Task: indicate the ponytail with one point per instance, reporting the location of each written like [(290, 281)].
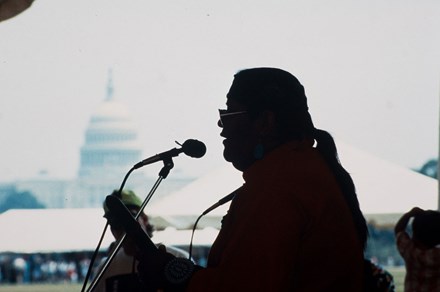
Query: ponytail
[(327, 147)]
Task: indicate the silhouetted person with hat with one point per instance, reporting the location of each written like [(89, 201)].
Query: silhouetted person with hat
[(121, 275)]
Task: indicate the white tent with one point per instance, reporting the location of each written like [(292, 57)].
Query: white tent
[(69, 230), (172, 236), (182, 208), (386, 188), (52, 230), (385, 191)]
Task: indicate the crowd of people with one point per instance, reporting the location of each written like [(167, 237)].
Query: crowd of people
[(44, 267)]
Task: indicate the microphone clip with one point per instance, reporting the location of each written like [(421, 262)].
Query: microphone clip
[(168, 164)]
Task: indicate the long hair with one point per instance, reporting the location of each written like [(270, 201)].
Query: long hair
[(327, 147)]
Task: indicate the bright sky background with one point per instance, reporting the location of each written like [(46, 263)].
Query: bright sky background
[(371, 69)]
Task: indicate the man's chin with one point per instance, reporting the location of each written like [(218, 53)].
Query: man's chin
[(234, 162), (227, 156)]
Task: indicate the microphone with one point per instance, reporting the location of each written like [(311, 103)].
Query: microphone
[(190, 147)]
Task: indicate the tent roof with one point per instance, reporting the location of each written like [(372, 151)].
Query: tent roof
[(384, 187), (200, 194), (181, 208)]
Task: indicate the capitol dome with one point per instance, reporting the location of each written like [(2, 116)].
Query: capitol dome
[(111, 146)]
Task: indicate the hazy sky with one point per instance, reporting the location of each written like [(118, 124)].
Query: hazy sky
[(371, 70)]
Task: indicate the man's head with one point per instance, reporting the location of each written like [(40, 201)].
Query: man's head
[(265, 107), (133, 204)]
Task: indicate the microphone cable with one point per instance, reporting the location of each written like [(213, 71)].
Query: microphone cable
[(222, 201)]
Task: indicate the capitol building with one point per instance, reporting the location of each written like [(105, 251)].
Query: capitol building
[(109, 151)]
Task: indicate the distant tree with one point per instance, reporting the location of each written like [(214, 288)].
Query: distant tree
[(20, 200), (430, 168)]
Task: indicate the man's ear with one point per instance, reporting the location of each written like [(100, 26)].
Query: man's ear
[(266, 123)]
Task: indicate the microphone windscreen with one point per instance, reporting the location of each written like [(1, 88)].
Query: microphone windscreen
[(194, 148)]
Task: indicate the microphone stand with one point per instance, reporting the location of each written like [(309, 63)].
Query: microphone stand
[(168, 165)]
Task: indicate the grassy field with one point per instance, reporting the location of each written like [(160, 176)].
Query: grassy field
[(399, 277), (41, 288), (398, 274)]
